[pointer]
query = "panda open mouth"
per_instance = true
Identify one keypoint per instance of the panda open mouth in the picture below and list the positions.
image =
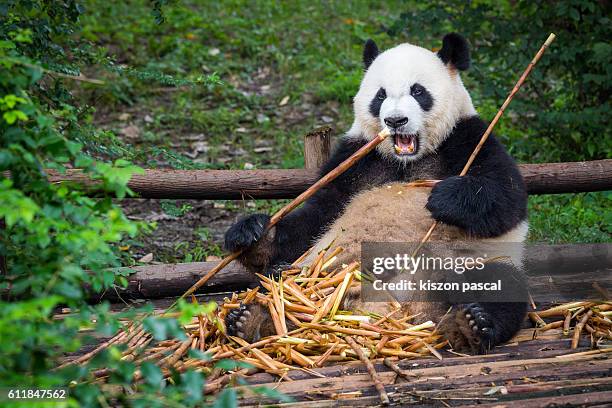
(406, 145)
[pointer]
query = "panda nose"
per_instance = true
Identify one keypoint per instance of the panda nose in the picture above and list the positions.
(396, 121)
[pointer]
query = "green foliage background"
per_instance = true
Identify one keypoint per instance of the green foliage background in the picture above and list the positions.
(56, 240)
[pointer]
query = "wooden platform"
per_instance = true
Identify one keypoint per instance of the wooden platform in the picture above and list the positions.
(524, 373)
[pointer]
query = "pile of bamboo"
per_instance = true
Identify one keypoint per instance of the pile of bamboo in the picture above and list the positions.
(310, 298)
(589, 317)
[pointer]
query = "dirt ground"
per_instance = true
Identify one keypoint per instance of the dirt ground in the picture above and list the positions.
(176, 237)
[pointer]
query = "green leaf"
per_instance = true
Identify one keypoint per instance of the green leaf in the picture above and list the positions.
(227, 399)
(199, 354)
(152, 374)
(232, 364)
(163, 328)
(192, 383)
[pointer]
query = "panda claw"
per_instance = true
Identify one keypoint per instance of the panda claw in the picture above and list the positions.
(471, 329)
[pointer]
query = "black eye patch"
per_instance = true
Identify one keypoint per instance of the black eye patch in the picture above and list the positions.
(422, 96)
(377, 102)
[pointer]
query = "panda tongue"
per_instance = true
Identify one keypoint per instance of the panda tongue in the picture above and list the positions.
(404, 144)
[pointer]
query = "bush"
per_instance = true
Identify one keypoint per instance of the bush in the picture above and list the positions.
(54, 240)
(562, 112)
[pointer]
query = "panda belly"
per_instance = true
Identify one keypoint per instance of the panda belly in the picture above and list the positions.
(397, 213)
(394, 213)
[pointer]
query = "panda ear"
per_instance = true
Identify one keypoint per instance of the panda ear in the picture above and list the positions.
(370, 52)
(456, 51)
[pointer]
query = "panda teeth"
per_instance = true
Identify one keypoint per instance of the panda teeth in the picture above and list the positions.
(405, 144)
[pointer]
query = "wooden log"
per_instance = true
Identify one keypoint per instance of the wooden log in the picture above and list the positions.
(465, 381)
(571, 177)
(206, 184)
(159, 281)
(546, 178)
(555, 273)
(317, 147)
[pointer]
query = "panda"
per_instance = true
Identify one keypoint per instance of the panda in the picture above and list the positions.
(419, 96)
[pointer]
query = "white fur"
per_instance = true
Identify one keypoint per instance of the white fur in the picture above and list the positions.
(396, 70)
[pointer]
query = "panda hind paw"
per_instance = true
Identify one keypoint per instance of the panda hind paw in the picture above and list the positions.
(470, 329)
(249, 322)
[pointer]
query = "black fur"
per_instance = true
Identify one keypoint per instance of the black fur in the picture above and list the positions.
(370, 52)
(491, 321)
(456, 51)
(422, 96)
(488, 202)
(492, 198)
(377, 102)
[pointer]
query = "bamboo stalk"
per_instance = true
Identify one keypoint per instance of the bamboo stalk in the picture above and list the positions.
(402, 373)
(384, 398)
(117, 339)
(255, 345)
(553, 325)
(172, 359)
(321, 360)
(537, 320)
(348, 279)
(323, 181)
(344, 330)
(560, 310)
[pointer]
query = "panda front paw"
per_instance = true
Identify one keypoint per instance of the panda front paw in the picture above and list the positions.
(461, 201)
(470, 329)
(246, 232)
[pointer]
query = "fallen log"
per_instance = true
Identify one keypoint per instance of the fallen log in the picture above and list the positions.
(165, 280)
(546, 178)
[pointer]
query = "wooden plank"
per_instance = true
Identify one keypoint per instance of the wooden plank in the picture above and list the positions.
(601, 399)
(469, 382)
(546, 178)
(581, 395)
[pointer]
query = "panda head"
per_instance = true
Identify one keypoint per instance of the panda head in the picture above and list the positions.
(416, 93)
